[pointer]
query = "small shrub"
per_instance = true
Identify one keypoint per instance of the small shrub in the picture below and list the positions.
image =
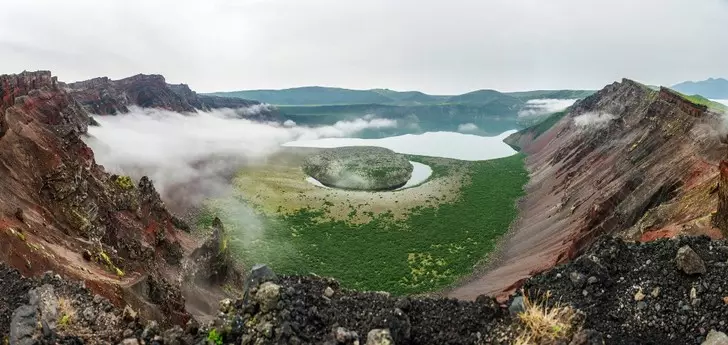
(214, 336)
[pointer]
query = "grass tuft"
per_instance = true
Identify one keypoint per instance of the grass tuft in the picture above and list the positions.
(545, 323)
(67, 312)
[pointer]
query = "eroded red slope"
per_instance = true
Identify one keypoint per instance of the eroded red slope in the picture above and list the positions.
(627, 160)
(61, 211)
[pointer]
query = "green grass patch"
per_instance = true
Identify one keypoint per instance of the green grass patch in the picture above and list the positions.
(700, 100)
(429, 250)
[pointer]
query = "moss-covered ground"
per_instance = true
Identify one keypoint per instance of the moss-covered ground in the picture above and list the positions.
(421, 240)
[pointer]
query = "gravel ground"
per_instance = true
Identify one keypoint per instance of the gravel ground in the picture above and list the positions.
(638, 294)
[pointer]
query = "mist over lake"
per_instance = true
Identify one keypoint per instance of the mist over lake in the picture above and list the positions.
(453, 145)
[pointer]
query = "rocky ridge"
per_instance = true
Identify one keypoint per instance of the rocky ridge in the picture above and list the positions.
(62, 212)
(629, 161)
(103, 96)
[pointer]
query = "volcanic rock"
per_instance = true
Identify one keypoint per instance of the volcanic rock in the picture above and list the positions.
(688, 261)
(359, 168)
(23, 325)
(379, 337)
(72, 208)
(104, 96)
(716, 338)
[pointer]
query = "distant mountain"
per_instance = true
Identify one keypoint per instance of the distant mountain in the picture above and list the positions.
(484, 97)
(550, 94)
(319, 95)
(310, 95)
(710, 88)
(491, 111)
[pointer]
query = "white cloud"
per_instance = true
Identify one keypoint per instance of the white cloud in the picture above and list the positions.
(286, 43)
(537, 107)
(593, 120)
(467, 127)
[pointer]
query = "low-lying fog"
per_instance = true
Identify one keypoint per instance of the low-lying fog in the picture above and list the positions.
(436, 144)
(193, 156)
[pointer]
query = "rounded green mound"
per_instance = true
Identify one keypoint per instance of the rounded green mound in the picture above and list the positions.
(359, 168)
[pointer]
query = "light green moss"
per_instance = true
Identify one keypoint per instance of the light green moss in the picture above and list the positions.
(64, 320)
(214, 336)
(124, 182)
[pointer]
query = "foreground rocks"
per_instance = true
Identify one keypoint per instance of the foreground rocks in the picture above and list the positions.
(632, 294)
(661, 292)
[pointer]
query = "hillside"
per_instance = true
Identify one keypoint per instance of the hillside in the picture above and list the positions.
(712, 88)
(626, 161)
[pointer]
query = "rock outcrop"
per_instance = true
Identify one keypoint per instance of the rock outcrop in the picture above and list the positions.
(359, 168)
(627, 160)
(103, 96)
(61, 211)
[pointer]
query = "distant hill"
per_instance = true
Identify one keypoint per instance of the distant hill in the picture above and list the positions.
(484, 97)
(550, 94)
(310, 95)
(491, 111)
(710, 88)
(319, 95)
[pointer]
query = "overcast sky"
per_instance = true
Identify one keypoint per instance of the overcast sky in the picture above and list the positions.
(441, 47)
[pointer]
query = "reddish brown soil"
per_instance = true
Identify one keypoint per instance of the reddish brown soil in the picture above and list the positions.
(659, 153)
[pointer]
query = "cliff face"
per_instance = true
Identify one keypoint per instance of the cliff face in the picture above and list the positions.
(627, 160)
(103, 96)
(61, 211)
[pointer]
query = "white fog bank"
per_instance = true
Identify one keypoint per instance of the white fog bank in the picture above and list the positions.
(198, 151)
(435, 144)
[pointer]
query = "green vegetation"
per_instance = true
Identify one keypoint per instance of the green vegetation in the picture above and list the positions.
(124, 182)
(106, 260)
(700, 100)
(547, 123)
(535, 130)
(427, 250)
(214, 336)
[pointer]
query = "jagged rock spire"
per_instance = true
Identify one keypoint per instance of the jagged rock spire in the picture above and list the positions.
(720, 218)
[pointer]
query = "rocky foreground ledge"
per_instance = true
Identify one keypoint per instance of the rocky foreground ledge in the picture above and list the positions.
(662, 292)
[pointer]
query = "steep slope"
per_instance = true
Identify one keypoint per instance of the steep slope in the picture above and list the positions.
(710, 88)
(627, 160)
(104, 96)
(61, 211)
